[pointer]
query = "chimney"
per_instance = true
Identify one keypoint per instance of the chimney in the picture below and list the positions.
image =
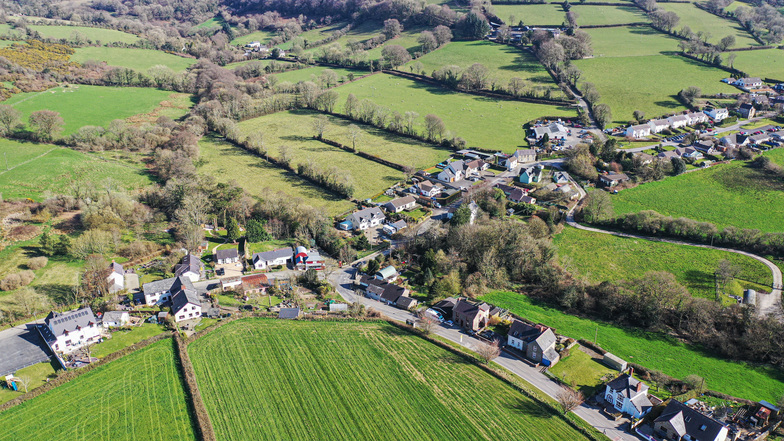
(639, 386)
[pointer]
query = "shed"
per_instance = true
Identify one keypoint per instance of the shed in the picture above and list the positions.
(387, 273)
(333, 307)
(288, 313)
(614, 362)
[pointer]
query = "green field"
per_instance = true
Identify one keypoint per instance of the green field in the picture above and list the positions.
(284, 128)
(213, 23)
(312, 74)
(647, 83)
(407, 39)
(123, 339)
(89, 105)
(582, 371)
(652, 350)
(95, 34)
(503, 62)
(531, 15)
(608, 15)
(766, 63)
(633, 41)
(139, 396)
(363, 32)
(482, 122)
(346, 381)
(726, 195)
(260, 36)
(717, 27)
(43, 168)
(137, 59)
(603, 257)
(227, 162)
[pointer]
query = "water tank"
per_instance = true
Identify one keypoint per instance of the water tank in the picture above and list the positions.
(750, 297)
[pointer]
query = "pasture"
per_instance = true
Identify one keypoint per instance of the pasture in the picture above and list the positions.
(714, 26)
(608, 15)
(349, 381)
(732, 194)
(765, 63)
(96, 35)
(82, 105)
(314, 72)
(531, 14)
(226, 162)
(631, 41)
(602, 257)
(482, 122)
(407, 39)
(503, 62)
(647, 83)
(652, 349)
(136, 59)
(139, 396)
(260, 36)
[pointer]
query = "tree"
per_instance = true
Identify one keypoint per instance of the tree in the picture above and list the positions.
(678, 166)
(46, 124)
(602, 114)
(434, 127)
(30, 302)
(9, 119)
(572, 74)
(362, 242)
(395, 55)
(232, 230)
(516, 85)
(443, 34)
(551, 54)
(392, 28)
(639, 116)
(695, 382)
(598, 206)
(462, 215)
(48, 243)
(25, 381)
(475, 77)
(474, 26)
(320, 125)
(373, 266)
(427, 41)
(63, 246)
(690, 94)
(569, 399)
(725, 273)
(487, 351)
(726, 43)
(94, 281)
(354, 134)
(426, 323)
(255, 231)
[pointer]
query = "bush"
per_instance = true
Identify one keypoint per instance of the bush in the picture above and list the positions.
(37, 263)
(17, 280)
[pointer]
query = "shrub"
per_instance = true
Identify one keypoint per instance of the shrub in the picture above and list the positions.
(37, 263)
(11, 282)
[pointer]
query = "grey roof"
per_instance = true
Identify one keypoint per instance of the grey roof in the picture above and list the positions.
(113, 316)
(561, 176)
(400, 224)
(189, 263)
(183, 297)
(399, 202)
(227, 254)
(288, 313)
(612, 176)
(678, 118)
(689, 421)
(172, 285)
(659, 122)
(368, 214)
(524, 152)
(116, 268)
(531, 171)
(627, 385)
(387, 272)
(642, 403)
(640, 127)
(542, 335)
(287, 252)
(60, 323)
(405, 302)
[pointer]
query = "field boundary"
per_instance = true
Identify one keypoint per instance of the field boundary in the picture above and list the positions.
(29, 160)
(201, 418)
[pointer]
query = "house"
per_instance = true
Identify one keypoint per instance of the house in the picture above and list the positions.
(657, 125)
(628, 395)
(400, 204)
(678, 121)
(668, 155)
(366, 218)
(406, 303)
(378, 289)
(189, 267)
(734, 140)
(747, 111)
(761, 101)
(116, 277)
(527, 200)
(517, 194)
(511, 162)
(697, 118)
(537, 342)
(759, 139)
(561, 177)
(394, 227)
(704, 147)
(279, 257)
(430, 190)
(68, 331)
(524, 156)
(115, 319)
(160, 291)
(257, 283)
(717, 114)
(529, 175)
(186, 305)
(229, 283)
(638, 131)
(470, 316)
(289, 313)
(680, 422)
(612, 179)
(445, 307)
(475, 167)
(748, 83)
(452, 172)
(688, 152)
(305, 260)
(227, 256)
(552, 130)
(387, 274)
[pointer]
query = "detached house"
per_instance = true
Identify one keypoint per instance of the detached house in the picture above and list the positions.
(453, 172)
(688, 152)
(638, 131)
(430, 190)
(561, 177)
(279, 257)
(189, 267)
(388, 293)
(400, 204)
(68, 331)
(747, 111)
(612, 179)
(186, 305)
(367, 218)
(704, 147)
(525, 156)
(116, 277)
(227, 256)
(717, 114)
(529, 175)
(470, 316)
(748, 83)
(681, 422)
(628, 395)
(160, 291)
(536, 342)
(115, 319)
(734, 140)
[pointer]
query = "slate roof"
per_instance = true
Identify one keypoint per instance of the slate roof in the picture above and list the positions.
(60, 323)
(172, 285)
(116, 268)
(615, 177)
(368, 214)
(528, 333)
(524, 152)
(627, 386)
(400, 202)
(113, 316)
(678, 118)
(189, 263)
(659, 122)
(468, 309)
(231, 253)
(399, 225)
(405, 302)
(688, 421)
(266, 256)
(183, 297)
(288, 313)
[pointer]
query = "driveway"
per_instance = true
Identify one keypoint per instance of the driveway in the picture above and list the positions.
(21, 346)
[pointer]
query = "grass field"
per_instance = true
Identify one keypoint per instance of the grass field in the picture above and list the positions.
(312, 74)
(123, 339)
(89, 105)
(727, 194)
(582, 371)
(646, 83)
(652, 350)
(260, 36)
(602, 257)
(214, 22)
(608, 15)
(137, 59)
(531, 15)
(407, 39)
(482, 122)
(347, 381)
(717, 27)
(634, 41)
(765, 63)
(503, 62)
(95, 34)
(139, 396)
(226, 162)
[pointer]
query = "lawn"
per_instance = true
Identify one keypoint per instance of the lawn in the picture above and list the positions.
(652, 350)
(608, 15)
(123, 339)
(633, 41)
(482, 122)
(226, 162)
(503, 62)
(732, 194)
(582, 371)
(137, 59)
(82, 105)
(603, 257)
(765, 63)
(646, 83)
(269, 245)
(139, 396)
(260, 36)
(716, 27)
(347, 380)
(531, 15)
(38, 374)
(312, 74)
(95, 34)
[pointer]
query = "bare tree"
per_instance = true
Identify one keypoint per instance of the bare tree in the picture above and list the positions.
(25, 380)
(320, 125)
(488, 351)
(9, 119)
(569, 399)
(725, 273)
(46, 124)
(354, 133)
(434, 126)
(426, 324)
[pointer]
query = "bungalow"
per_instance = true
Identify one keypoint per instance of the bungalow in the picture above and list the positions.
(657, 125)
(552, 130)
(688, 152)
(367, 218)
(229, 283)
(256, 283)
(406, 303)
(116, 277)
(517, 195)
(305, 260)
(527, 200)
(186, 305)
(704, 147)
(115, 319)
(748, 83)
(668, 155)
(279, 257)
(529, 175)
(382, 291)
(734, 140)
(697, 118)
(160, 291)
(430, 190)
(470, 316)
(561, 177)
(638, 131)
(628, 395)
(537, 342)
(227, 256)
(717, 114)
(612, 179)
(189, 267)
(400, 204)
(759, 139)
(68, 331)
(747, 111)
(387, 274)
(679, 421)
(452, 172)
(678, 121)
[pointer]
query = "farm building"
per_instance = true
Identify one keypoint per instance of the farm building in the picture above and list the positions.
(189, 267)
(230, 283)
(68, 331)
(289, 313)
(387, 274)
(628, 395)
(304, 259)
(116, 277)
(552, 130)
(537, 342)
(614, 362)
(227, 256)
(279, 257)
(115, 319)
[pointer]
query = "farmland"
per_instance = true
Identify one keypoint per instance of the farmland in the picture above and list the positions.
(716, 27)
(531, 15)
(407, 39)
(766, 63)
(652, 350)
(94, 34)
(226, 162)
(323, 387)
(260, 36)
(631, 41)
(480, 121)
(122, 400)
(312, 74)
(601, 257)
(137, 59)
(608, 15)
(732, 194)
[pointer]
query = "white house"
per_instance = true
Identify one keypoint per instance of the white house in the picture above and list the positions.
(430, 190)
(116, 277)
(717, 114)
(638, 131)
(69, 331)
(696, 118)
(511, 162)
(657, 125)
(367, 218)
(452, 172)
(552, 130)
(279, 257)
(189, 267)
(186, 305)
(227, 256)
(748, 83)
(400, 204)
(678, 121)
(160, 291)
(628, 395)
(115, 319)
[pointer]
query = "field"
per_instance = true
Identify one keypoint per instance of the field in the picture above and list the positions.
(601, 257)
(123, 400)
(652, 350)
(717, 27)
(531, 15)
(581, 370)
(227, 162)
(608, 15)
(137, 59)
(630, 42)
(482, 122)
(214, 22)
(312, 74)
(347, 381)
(89, 105)
(733, 194)
(123, 339)
(647, 83)
(503, 62)
(766, 63)
(407, 39)
(95, 34)
(260, 36)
